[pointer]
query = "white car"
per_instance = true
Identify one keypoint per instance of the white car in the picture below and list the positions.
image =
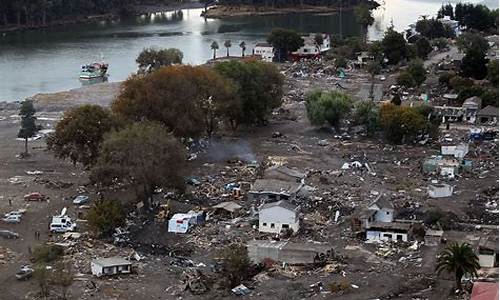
(12, 219)
(14, 213)
(81, 199)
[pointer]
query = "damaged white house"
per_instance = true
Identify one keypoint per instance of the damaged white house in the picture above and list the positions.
(377, 222)
(440, 190)
(110, 266)
(456, 150)
(277, 216)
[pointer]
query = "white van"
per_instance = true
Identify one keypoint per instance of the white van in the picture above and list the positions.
(62, 223)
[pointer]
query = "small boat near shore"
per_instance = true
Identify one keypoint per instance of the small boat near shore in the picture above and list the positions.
(93, 71)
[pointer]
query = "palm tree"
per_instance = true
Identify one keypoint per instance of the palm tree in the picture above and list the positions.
(214, 47)
(243, 47)
(459, 259)
(227, 44)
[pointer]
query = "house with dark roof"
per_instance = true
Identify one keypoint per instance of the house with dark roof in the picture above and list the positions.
(488, 115)
(277, 216)
(268, 190)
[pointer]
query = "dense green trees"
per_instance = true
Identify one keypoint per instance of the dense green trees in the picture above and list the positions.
(284, 41)
(79, 134)
(28, 125)
(151, 59)
(493, 72)
(327, 107)
(259, 90)
(460, 260)
(433, 28)
(394, 46)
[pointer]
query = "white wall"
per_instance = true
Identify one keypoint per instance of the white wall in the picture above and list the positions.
(486, 260)
(277, 216)
(96, 269)
(267, 53)
(374, 235)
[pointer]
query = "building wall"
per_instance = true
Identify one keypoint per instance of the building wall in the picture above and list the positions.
(267, 53)
(486, 260)
(272, 220)
(375, 235)
(438, 192)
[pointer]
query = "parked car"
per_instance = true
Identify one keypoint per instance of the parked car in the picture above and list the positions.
(35, 197)
(7, 234)
(14, 213)
(24, 273)
(12, 219)
(81, 199)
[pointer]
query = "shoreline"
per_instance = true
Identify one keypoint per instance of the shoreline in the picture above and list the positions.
(138, 11)
(220, 12)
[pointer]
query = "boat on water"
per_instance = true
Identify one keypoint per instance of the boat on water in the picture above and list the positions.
(94, 71)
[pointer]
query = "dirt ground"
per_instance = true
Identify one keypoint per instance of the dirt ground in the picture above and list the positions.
(406, 274)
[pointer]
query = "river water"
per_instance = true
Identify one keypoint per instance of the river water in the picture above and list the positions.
(49, 60)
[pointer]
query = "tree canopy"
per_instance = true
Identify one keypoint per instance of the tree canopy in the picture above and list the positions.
(458, 259)
(327, 107)
(151, 59)
(144, 155)
(79, 134)
(187, 100)
(394, 46)
(259, 87)
(28, 125)
(284, 41)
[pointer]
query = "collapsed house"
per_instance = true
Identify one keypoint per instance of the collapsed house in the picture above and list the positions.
(465, 113)
(377, 222)
(487, 251)
(180, 223)
(488, 115)
(450, 163)
(110, 266)
(277, 216)
(287, 252)
(433, 238)
(284, 173)
(311, 49)
(446, 166)
(227, 209)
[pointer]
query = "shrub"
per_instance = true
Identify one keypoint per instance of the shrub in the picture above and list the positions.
(327, 107)
(236, 265)
(105, 216)
(459, 83)
(405, 79)
(47, 253)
